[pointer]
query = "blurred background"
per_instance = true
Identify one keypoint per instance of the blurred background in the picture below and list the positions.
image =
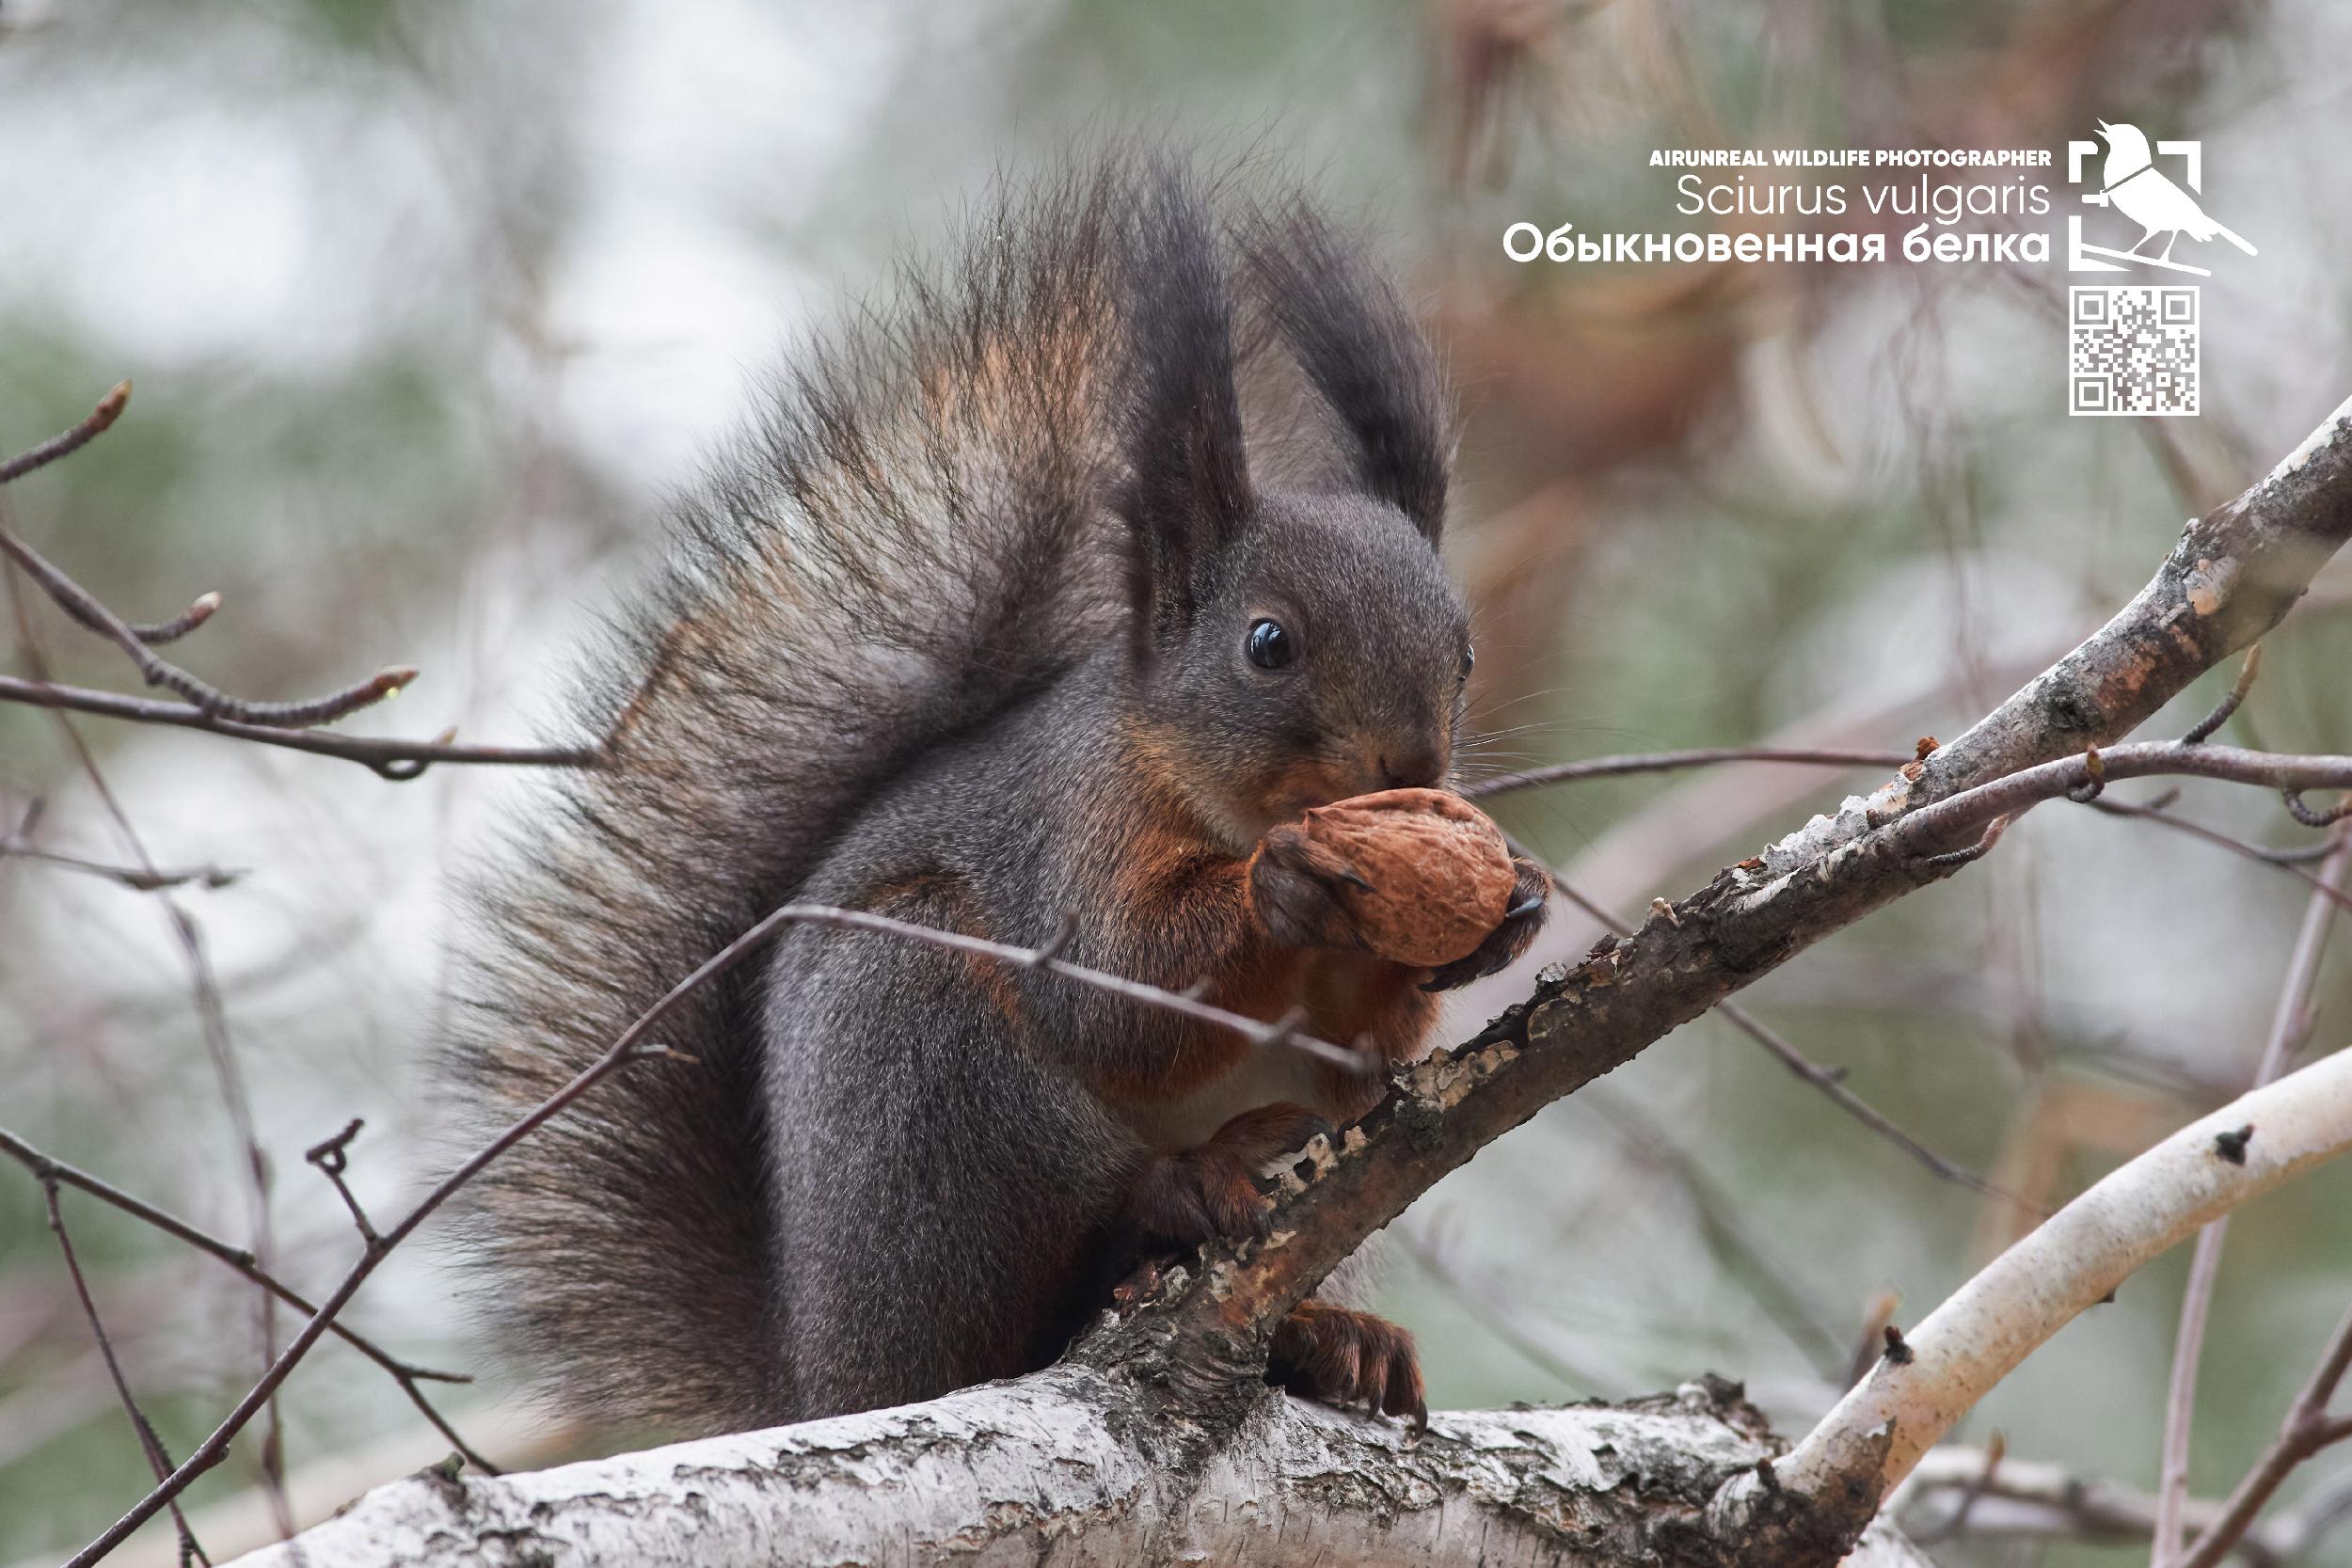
(428, 305)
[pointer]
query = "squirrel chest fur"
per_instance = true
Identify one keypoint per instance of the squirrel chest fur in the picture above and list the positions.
(1038, 603)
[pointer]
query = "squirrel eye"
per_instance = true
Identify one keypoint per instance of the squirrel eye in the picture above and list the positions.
(1470, 660)
(1270, 646)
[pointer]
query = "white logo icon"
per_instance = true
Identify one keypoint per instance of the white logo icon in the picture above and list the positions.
(2130, 183)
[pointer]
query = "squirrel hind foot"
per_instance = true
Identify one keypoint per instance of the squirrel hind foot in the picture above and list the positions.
(1337, 1356)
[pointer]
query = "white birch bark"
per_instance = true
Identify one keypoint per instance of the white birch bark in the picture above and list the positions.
(1053, 1469)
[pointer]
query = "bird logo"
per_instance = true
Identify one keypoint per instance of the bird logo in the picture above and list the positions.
(2132, 185)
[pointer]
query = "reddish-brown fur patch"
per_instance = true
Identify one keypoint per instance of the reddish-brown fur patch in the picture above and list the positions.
(947, 901)
(1346, 1358)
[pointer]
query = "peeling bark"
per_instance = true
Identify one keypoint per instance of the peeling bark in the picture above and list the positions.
(1054, 1470)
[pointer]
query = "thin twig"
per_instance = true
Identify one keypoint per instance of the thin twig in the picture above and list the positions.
(1828, 1080)
(212, 1015)
(398, 760)
(85, 608)
(2307, 1430)
(2038, 1501)
(156, 633)
(2289, 1027)
(1933, 825)
(2312, 817)
(2205, 727)
(109, 410)
(90, 613)
(333, 1158)
(2288, 861)
(136, 878)
(1665, 762)
(407, 1374)
(152, 1445)
(205, 701)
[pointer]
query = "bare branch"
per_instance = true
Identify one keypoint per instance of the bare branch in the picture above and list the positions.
(156, 633)
(1666, 761)
(207, 705)
(398, 760)
(109, 410)
(2211, 723)
(2036, 1500)
(149, 1444)
(137, 878)
(2290, 1030)
(2288, 861)
(333, 1158)
(407, 1374)
(2012, 793)
(2308, 1429)
(1830, 1083)
(2077, 1258)
(85, 608)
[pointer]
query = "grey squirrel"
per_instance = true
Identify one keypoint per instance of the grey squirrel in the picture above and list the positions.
(1039, 594)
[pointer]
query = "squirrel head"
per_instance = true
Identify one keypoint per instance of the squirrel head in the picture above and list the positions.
(1291, 647)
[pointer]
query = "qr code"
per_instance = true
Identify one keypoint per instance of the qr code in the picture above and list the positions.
(2131, 351)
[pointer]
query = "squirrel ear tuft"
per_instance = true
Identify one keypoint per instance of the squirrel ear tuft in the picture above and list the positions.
(1359, 344)
(1186, 496)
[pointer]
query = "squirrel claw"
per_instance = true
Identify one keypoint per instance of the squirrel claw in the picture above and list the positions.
(1347, 1357)
(1530, 893)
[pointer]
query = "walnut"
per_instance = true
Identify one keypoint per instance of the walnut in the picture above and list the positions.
(1439, 871)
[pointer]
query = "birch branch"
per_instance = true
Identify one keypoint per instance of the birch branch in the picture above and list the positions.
(1874, 1436)
(1051, 1469)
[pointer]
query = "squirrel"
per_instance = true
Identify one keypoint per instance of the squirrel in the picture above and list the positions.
(1030, 604)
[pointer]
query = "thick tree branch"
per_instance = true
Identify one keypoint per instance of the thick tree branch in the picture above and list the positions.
(1054, 1470)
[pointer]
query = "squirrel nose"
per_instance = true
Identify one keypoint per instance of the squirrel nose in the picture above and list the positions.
(1417, 769)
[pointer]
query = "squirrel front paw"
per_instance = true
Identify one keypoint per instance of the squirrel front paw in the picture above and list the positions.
(1344, 1357)
(1211, 1192)
(1294, 887)
(1531, 896)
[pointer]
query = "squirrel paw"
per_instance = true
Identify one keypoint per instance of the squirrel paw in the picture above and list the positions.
(1344, 1357)
(1137, 1286)
(1531, 894)
(1294, 885)
(1211, 1192)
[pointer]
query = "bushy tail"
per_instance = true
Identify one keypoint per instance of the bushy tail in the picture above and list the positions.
(905, 543)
